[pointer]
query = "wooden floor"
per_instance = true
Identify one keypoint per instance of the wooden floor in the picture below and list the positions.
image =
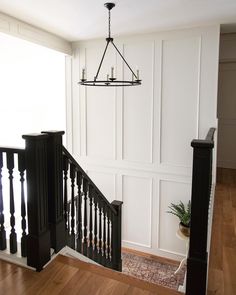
(222, 271)
(69, 276)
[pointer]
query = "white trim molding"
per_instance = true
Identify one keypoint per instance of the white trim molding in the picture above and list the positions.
(12, 26)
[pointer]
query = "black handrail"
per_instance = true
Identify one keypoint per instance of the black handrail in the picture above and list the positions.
(78, 167)
(210, 134)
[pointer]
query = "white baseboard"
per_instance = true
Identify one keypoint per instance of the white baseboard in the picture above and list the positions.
(69, 252)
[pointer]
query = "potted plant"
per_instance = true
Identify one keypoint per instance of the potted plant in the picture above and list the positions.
(184, 214)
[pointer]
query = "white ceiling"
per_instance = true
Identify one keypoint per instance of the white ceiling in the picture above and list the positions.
(80, 19)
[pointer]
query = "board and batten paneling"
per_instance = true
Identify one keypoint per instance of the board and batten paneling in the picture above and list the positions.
(99, 108)
(137, 210)
(137, 111)
(141, 135)
(179, 99)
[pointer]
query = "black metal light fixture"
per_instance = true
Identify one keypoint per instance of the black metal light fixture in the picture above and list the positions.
(111, 81)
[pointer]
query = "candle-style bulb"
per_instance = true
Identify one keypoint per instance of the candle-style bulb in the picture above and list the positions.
(107, 77)
(83, 74)
(112, 72)
(137, 74)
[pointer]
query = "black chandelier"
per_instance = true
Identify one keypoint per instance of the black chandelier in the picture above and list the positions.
(111, 81)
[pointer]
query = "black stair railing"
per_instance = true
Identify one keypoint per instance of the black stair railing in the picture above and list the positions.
(79, 215)
(197, 262)
(93, 225)
(62, 207)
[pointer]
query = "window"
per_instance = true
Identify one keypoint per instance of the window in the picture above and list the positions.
(32, 90)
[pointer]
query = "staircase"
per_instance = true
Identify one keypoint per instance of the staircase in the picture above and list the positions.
(60, 205)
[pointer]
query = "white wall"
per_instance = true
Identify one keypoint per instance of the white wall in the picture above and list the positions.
(226, 102)
(135, 142)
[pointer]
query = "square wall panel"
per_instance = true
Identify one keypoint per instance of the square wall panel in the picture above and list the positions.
(179, 100)
(138, 104)
(137, 198)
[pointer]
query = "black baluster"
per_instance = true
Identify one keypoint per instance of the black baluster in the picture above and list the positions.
(104, 235)
(95, 228)
(21, 168)
(85, 190)
(10, 166)
(79, 213)
(100, 232)
(68, 222)
(2, 229)
(90, 254)
(108, 235)
(65, 172)
(72, 176)
(111, 244)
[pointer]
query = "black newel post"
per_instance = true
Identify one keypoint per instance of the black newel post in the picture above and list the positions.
(55, 189)
(116, 236)
(38, 238)
(201, 186)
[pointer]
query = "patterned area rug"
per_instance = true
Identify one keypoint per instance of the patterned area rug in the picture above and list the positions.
(152, 271)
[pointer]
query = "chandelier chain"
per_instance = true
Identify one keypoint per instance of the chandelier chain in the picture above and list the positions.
(109, 23)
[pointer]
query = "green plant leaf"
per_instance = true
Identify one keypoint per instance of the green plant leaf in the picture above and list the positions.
(181, 211)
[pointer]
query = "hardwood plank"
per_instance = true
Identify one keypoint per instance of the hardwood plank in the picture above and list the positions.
(235, 221)
(222, 266)
(229, 263)
(227, 211)
(215, 282)
(233, 195)
(5, 270)
(136, 291)
(52, 279)
(90, 283)
(229, 238)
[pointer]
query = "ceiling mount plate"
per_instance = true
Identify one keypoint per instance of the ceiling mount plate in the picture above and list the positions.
(109, 5)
